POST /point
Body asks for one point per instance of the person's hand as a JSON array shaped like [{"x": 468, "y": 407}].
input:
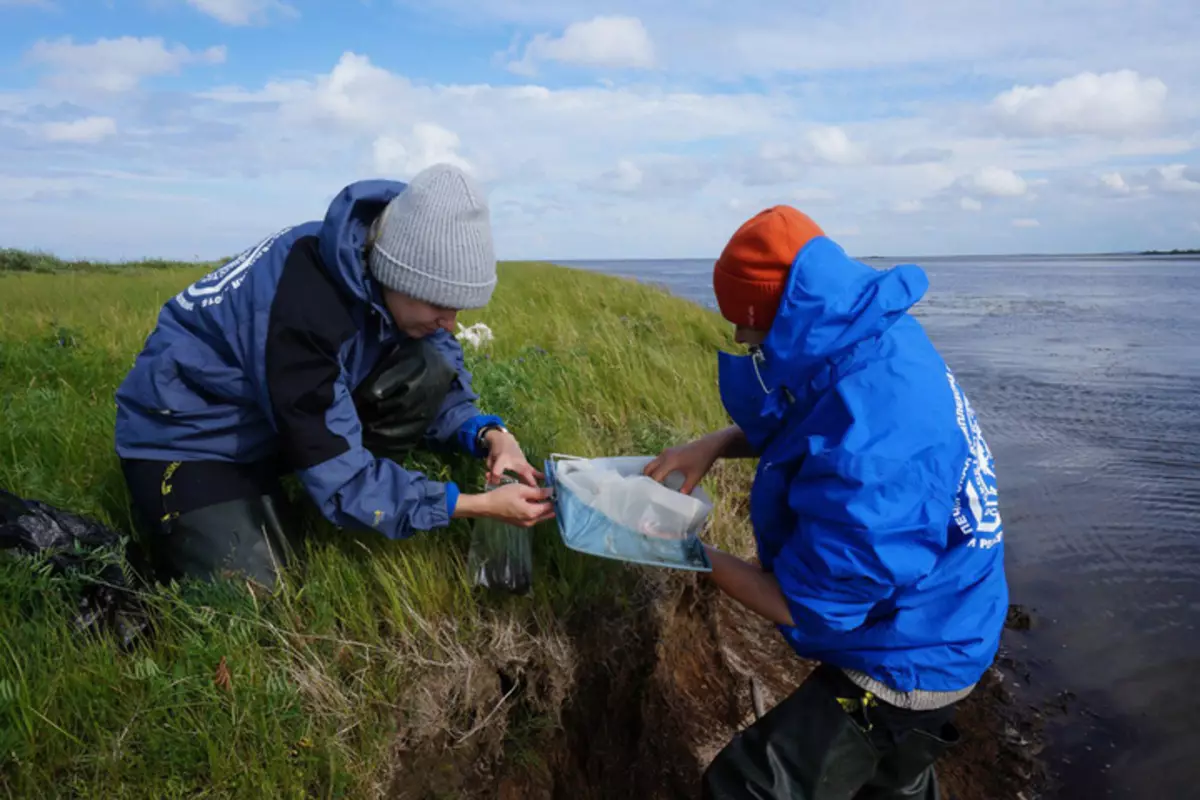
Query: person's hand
[
  {"x": 693, "y": 459},
  {"x": 515, "y": 504},
  {"x": 505, "y": 455}
]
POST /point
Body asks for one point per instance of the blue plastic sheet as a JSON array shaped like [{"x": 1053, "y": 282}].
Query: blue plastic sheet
[{"x": 587, "y": 529}]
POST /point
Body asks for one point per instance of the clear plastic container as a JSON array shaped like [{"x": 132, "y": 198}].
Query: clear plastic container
[
  {"x": 501, "y": 555},
  {"x": 608, "y": 507},
  {"x": 635, "y": 501}
]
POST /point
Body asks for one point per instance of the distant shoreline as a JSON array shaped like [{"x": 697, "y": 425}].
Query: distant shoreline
[{"x": 19, "y": 260}]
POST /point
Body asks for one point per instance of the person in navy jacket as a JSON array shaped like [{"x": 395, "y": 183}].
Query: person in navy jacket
[
  {"x": 325, "y": 351},
  {"x": 875, "y": 515}
]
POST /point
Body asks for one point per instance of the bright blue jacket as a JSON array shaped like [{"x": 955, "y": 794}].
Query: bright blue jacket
[
  {"x": 875, "y": 501},
  {"x": 261, "y": 357}
]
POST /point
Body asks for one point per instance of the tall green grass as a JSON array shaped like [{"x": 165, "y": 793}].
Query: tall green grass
[{"x": 376, "y": 651}]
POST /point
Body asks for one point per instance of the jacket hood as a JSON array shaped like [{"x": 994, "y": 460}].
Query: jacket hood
[
  {"x": 830, "y": 304},
  {"x": 344, "y": 232}
]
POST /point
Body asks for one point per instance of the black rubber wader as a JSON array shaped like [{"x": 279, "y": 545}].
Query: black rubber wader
[{"x": 824, "y": 742}]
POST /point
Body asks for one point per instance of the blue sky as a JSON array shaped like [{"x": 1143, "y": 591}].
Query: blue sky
[{"x": 190, "y": 128}]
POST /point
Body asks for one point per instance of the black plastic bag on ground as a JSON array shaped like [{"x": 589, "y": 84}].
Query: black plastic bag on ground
[
  {"x": 75, "y": 544},
  {"x": 501, "y": 555}
]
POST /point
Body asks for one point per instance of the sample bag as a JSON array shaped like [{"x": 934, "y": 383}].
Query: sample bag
[
  {"x": 607, "y": 507},
  {"x": 501, "y": 555}
]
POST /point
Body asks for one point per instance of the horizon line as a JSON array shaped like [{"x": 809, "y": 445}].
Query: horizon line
[{"x": 592, "y": 259}]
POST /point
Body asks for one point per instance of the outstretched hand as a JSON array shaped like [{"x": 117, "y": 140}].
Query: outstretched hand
[
  {"x": 504, "y": 456},
  {"x": 520, "y": 505},
  {"x": 514, "y": 504},
  {"x": 693, "y": 459}
]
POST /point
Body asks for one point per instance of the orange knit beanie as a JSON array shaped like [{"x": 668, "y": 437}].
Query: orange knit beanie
[{"x": 749, "y": 276}]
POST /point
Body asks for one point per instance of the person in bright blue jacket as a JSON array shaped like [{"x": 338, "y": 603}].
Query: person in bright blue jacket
[
  {"x": 326, "y": 350},
  {"x": 875, "y": 514}
]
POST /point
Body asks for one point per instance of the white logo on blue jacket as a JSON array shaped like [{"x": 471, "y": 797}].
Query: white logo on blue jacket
[
  {"x": 977, "y": 502},
  {"x": 208, "y": 290}
]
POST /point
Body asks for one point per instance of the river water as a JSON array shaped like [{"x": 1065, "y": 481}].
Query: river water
[{"x": 1085, "y": 371}]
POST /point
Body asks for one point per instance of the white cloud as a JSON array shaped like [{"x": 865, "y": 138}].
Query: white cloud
[
  {"x": 916, "y": 42},
  {"x": 834, "y": 146},
  {"x": 656, "y": 176},
  {"x": 1115, "y": 183},
  {"x": 1175, "y": 179},
  {"x": 997, "y": 182},
  {"x": 544, "y": 130},
  {"x": 241, "y": 12},
  {"x": 428, "y": 144},
  {"x": 115, "y": 65},
  {"x": 625, "y": 177},
  {"x": 1172, "y": 180},
  {"x": 85, "y": 130},
  {"x": 664, "y": 161},
  {"x": 1111, "y": 104},
  {"x": 1026, "y": 223},
  {"x": 612, "y": 42}
]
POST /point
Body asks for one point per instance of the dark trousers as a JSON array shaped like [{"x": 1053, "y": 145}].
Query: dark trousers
[
  {"x": 208, "y": 519},
  {"x": 824, "y": 742}
]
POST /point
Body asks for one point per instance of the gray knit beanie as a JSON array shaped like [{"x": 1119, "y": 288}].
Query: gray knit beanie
[{"x": 434, "y": 241}]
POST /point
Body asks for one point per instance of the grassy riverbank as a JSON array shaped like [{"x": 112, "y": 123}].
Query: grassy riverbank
[
  {"x": 386, "y": 643},
  {"x": 381, "y": 672}
]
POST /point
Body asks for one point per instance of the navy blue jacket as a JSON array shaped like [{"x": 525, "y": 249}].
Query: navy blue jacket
[
  {"x": 259, "y": 359},
  {"x": 875, "y": 504}
]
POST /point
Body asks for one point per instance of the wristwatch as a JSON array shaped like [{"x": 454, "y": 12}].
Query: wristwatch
[{"x": 481, "y": 437}]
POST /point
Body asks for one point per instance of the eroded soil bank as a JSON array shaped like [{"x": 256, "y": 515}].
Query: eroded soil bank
[{"x": 644, "y": 701}]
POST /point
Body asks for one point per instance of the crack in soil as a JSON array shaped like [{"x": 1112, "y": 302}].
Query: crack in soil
[{"x": 658, "y": 691}]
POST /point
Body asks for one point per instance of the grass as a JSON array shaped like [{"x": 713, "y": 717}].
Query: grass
[{"x": 377, "y": 652}]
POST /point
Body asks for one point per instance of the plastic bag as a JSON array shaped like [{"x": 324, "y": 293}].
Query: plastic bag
[
  {"x": 72, "y": 543},
  {"x": 501, "y": 555},
  {"x": 607, "y": 507}
]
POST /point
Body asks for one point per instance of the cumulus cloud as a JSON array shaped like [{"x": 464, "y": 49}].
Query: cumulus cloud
[
  {"x": 427, "y": 144},
  {"x": 1175, "y": 179},
  {"x": 85, "y": 130},
  {"x": 1108, "y": 104},
  {"x": 1113, "y": 182},
  {"x": 541, "y": 126},
  {"x": 624, "y": 177},
  {"x": 653, "y": 177},
  {"x": 610, "y": 42},
  {"x": 784, "y": 161},
  {"x": 1107, "y": 185},
  {"x": 657, "y": 163},
  {"x": 115, "y": 65},
  {"x": 996, "y": 182},
  {"x": 242, "y": 12},
  {"x": 1171, "y": 180},
  {"x": 833, "y": 146}
]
